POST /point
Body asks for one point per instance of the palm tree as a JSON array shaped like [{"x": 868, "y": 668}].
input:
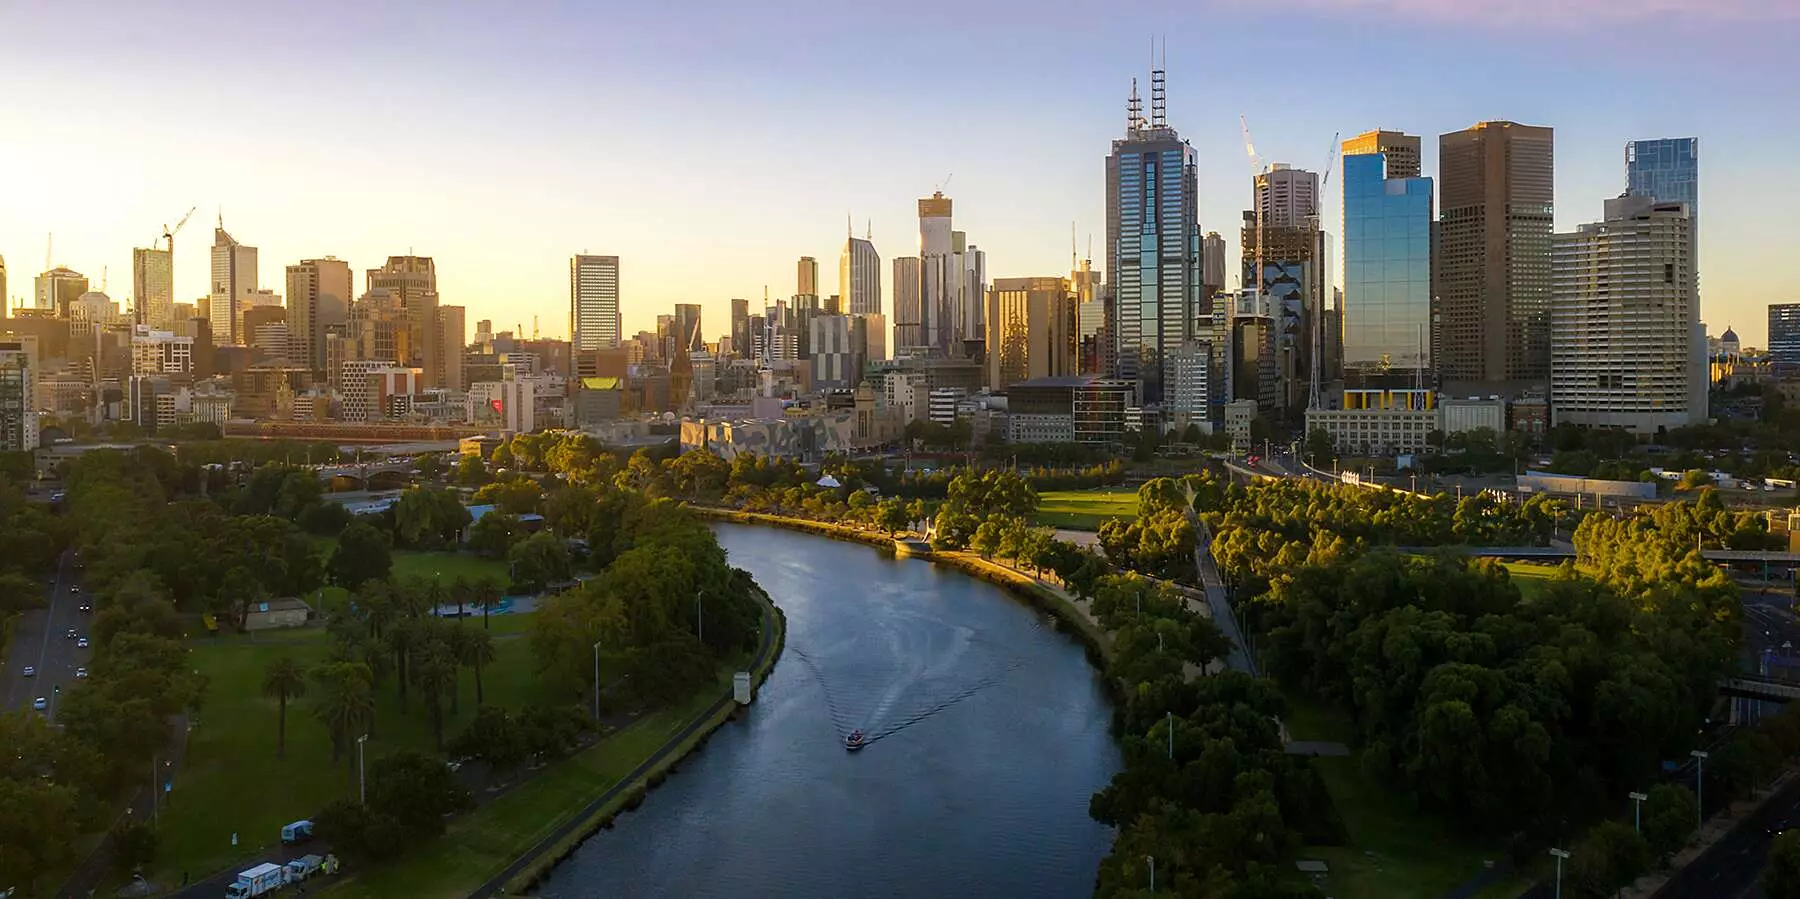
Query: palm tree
[
  {"x": 487, "y": 593},
  {"x": 403, "y": 639},
  {"x": 435, "y": 671},
  {"x": 346, "y": 702},
  {"x": 376, "y": 599},
  {"x": 477, "y": 651},
  {"x": 461, "y": 591},
  {"x": 283, "y": 681}
]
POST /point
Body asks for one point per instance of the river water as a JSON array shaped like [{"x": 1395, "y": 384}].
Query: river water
[{"x": 990, "y": 733}]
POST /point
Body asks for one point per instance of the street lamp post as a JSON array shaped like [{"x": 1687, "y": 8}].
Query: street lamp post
[
  {"x": 1699, "y": 788},
  {"x": 596, "y": 680},
  {"x": 1171, "y": 736},
  {"x": 1637, "y": 811},
  {"x": 362, "y": 783},
  {"x": 699, "y": 621},
  {"x": 1560, "y": 855},
  {"x": 1152, "y": 860}
]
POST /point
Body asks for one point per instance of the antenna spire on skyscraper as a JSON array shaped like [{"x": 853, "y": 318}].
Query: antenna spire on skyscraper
[
  {"x": 1159, "y": 95},
  {"x": 1134, "y": 110}
]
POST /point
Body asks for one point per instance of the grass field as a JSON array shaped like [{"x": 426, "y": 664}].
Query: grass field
[
  {"x": 1530, "y": 578},
  {"x": 446, "y": 566},
  {"x": 1393, "y": 851},
  {"x": 1084, "y": 510},
  {"x": 230, "y": 780}
]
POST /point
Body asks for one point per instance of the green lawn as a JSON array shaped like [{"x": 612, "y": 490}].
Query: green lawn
[
  {"x": 1084, "y": 510},
  {"x": 230, "y": 780},
  {"x": 1393, "y": 851},
  {"x": 1530, "y": 578},
  {"x": 446, "y": 566}
]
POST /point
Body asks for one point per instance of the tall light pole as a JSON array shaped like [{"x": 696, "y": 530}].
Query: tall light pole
[
  {"x": 699, "y": 618},
  {"x": 1152, "y": 860},
  {"x": 1171, "y": 730},
  {"x": 1699, "y": 789},
  {"x": 1637, "y": 811},
  {"x": 596, "y": 681},
  {"x": 362, "y": 783},
  {"x": 1560, "y": 855}
]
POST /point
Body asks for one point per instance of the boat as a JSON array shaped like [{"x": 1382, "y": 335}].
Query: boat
[{"x": 855, "y": 741}]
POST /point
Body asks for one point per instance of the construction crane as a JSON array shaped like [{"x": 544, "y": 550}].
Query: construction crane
[
  {"x": 1256, "y": 205},
  {"x": 168, "y": 235},
  {"x": 944, "y": 184},
  {"x": 1320, "y": 265}
]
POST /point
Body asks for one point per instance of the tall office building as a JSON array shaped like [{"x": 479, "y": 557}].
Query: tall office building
[
  {"x": 1494, "y": 225},
  {"x": 1387, "y": 268},
  {"x": 1784, "y": 336},
  {"x": 1032, "y": 330},
  {"x": 909, "y": 307},
  {"x": 741, "y": 344},
  {"x": 1286, "y": 197},
  {"x": 940, "y": 273},
  {"x": 1625, "y": 317},
  {"x": 58, "y": 289},
  {"x": 152, "y": 287},
  {"x": 319, "y": 292},
  {"x": 233, "y": 282},
  {"x": 1212, "y": 271},
  {"x": 1401, "y": 150},
  {"x": 1153, "y": 242},
  {"x": 968, "y": 315},
  {"x": 859, "y": 277},
  {"x": 684, "y": 332},
  {"x": 806, "y": 282},
  {"x": 453, "y": 322},
  {"x": 594, "y": 302},
  {"x": 1667, "y": 170},
  {"x": 412, "y": 282},
  {"x": 18, "y": 405}
]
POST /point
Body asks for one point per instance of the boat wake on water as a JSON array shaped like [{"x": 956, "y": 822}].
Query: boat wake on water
[{"x": 888, "y": 719}]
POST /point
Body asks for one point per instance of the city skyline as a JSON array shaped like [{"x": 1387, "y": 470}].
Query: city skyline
[{"x": 513, "y": 200}]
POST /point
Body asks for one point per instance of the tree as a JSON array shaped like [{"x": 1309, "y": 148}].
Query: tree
[
  {"x": 516, "y": 495},
  {"x": 362, "y": 555},
  {"x": 435, "y": 674},
  {"x": 417, "y": 791},
  {"x": 1782, "y": 878},
  {"x": 471, "y": 471},
  {"x": 284, "y": 680},
  {"x": 134, "y": 845},
  {"x": 1610, "y": 856},
  {"x": 346, "y": 702},
  {"x": 477, "y": 653},
  {"x": 494, "y": 738},
  {"x": 1670, "y": 815},
  {"x": 539, "y": 560},
  {"x": 494, "y": 533},
  {"x": 1319, "y": 448}
]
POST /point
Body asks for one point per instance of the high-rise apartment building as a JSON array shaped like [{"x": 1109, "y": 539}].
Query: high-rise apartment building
[
  {"x": 1784, "y": 336},
  {"x": 806, "y": 281},
  {"x": 58, "y": 289},
  {"x": 1387, "y": 268},
  {"x": 18, "y": 406},
  {"x": 453, "y": 323},
  {"x": 594, "y": 302},
  {"x": 1667, "y": 170},
  {"x": 1401, "y": 150},
  {"x": 1495, "y": 219},
  {"x": 968, "y": 308},
  {"x": 909, "y": 307},
  {"x": 1625, "y": 319},
  {"x": 1212, "y": 271},
  {"x": 1286, "y": 197},
  {"x": 153, "y": 287},
  {"x": 859, "y": 277},
  {"x": 412, "y": 282},
  {"x": 940, "y": 274},
  {"x": 742, "y": 346},
  {"x": 319, "y": 292},
  {"x": 1153, "y": 242},
  {"x": 1032, "y": 330},
  {"x": 233, "y": 282}
]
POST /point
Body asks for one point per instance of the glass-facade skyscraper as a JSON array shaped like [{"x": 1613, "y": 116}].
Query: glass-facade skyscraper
[
  {"x": 1387, "y": 270},
  {"x": 1153, "y": 241},
  {"x": 1666, "y": 170},
  {"x": 1784, "y": 335}
]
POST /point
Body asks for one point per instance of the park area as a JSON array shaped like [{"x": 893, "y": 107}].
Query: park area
[{"x": 1085, "y": 510}]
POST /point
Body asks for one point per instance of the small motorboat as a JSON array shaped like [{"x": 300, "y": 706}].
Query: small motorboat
[{"x": 855, "y": 741}]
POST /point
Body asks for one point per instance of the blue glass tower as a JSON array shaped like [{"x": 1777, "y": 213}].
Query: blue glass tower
[
  {"x": 1387, "y": 272},
  {"x": 1666, "y": 170},
  {"x": 1153, "y": 241}
]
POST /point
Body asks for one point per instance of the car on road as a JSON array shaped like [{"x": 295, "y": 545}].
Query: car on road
[
  {"x": 87, "y": 608},
  {"x": 70, "y": 634},
  {"x": 74, "y": 588},
  {"x": 81, "y": 643},
  {"x": 81, "y": 674},
  {"x": 30, "y": 671},
  {"x": 40, "y": 703}
]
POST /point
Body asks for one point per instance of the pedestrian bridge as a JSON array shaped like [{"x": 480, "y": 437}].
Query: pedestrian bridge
[{"x": 1754, "y": 686}]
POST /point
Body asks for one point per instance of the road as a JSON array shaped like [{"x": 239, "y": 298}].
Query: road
[
  {"x": 1732, "y": 868},
  {"x": 39, "y": 642}
]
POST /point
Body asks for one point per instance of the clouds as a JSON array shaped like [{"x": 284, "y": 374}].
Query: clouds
[{"x": 1556, "y": 14}]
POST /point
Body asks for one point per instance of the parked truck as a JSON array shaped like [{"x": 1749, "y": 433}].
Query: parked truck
[
  {"x": 262, "y": 879},
  {"x": 301, "y": 868},
  {"x": 297, "y": 832}
]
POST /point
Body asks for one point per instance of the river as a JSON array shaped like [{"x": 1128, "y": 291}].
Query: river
[{"x": 990, "y": 733}]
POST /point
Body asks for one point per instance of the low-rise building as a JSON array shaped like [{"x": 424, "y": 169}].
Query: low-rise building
[
  {"x": 1472, "y": 414},
  {"x": 1379, "y": 422}
]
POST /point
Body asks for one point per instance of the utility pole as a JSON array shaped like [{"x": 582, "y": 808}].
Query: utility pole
[
  {"x": 596, "y": 680},
  {"x": 362, "y": 783},
  {"x": 1699, "y": 789},
  {"x": 1637, "y": 811},
  {"x": 1152, "y": 860},
  {"x": 1560, "y": 855}
]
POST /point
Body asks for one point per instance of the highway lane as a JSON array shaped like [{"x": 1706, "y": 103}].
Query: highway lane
[{"x": 39, "y": 641}]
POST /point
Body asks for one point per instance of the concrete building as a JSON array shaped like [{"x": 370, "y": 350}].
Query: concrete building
[
  {"x": 319, "y": 292},
  {"x": 940, "y": 274},
  {"x": 1032, "y": 330},
  {"x": 873, "y": 327},
  {"x": 1456, "y": 416},
  {"x": 155, "y": 352},
  {"x": 859, "y": 277},
  {"x": 1188, "y": 398},
  {"x": 969, "y": 306},
  {"x": 152, "y": 287},
  {"x": 1401, "y": 151},
  {"x": 510, "y": 402},
  {"x": 1286, "y": 197},
  {"x": 909, "y": 311},
  {"x": 1494, "y": 241},
  {"x": 1067, "y": 409},
  {"x": 18, "y": 403},
  {"x": 412, "y": 282},
  {"x": 1212, "y": 270},
  {"x": 1784, "y": 337},
  {"x": 806, "y": 279},
  {"x": 1378, "y": 422},
  {"x": 1153, "y": 241},
  {"x": 1387, "y": 323},
  {"x": 598, "y": 399},
  {"x": 594, "y": 322},
  {"x": 233, "y": 283},
  {"x": 1622, "y": 343},
  {"x": 57, "y": 289},
  {"x": 909, "y": 393},
  {"x": 838, "y": 344},
  {"x": 452, "y": 325}
]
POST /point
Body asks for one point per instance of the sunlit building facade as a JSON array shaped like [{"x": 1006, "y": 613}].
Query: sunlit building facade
[
  {"x": 1387, "y": 270},
  {"x": 594, "y": 302}
]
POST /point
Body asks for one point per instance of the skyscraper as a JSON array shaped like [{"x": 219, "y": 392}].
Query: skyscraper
[
  {"x": 968, "y": 315},
  {"x": 1032, "y": 330},
  {"x": 1387, "y": 267},
  {"x": 859, "y": 277},
  {"x": 153, "y": 286},
  {"x": 412, "y": 282},
  {"x": 742, "y": 345},
  {"x": 453, "y": 322},
  {"x": 1494, "y": 226},
  {"x": 1281, "y": 233},
  {"x": 807, "y": 281},
  {"x": 319, "y": 293},
  {"x": 1401, "y": 150},
  {"x": 1667, "y": 170},
  {"x": 940, "y": 274},
  {"x": 594, "y": 302},
  {"x": 233, "y": 281},
  {"x": 1625, "y": 316},
  {"x": 684, "y": 332},
  {"x": 1286, "y": 197},
  {"x": 909, "y": 303},
  {"x": 59, "y": 288},
  {"x": 1212, "y": 270},
  {"x": 1152, "y": 240}
]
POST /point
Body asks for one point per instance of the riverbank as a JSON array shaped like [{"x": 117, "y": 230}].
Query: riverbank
[
  {"x": 1071, "y": 614},
  {"x": 506, "y": 845}
]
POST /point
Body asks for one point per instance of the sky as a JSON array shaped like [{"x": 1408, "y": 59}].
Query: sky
[{"x": 711, "y": 144}]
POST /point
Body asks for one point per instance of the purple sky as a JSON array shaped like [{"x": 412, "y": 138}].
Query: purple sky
[{"x": 711, "y": 144}]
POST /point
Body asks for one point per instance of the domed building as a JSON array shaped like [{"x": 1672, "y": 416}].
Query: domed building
[{"x": 1728, "y": 343}]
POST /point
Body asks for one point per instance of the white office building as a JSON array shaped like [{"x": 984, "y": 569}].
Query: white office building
[
  {"x": 233, "y": 286},
  {"x": 593, "y": 302}
]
